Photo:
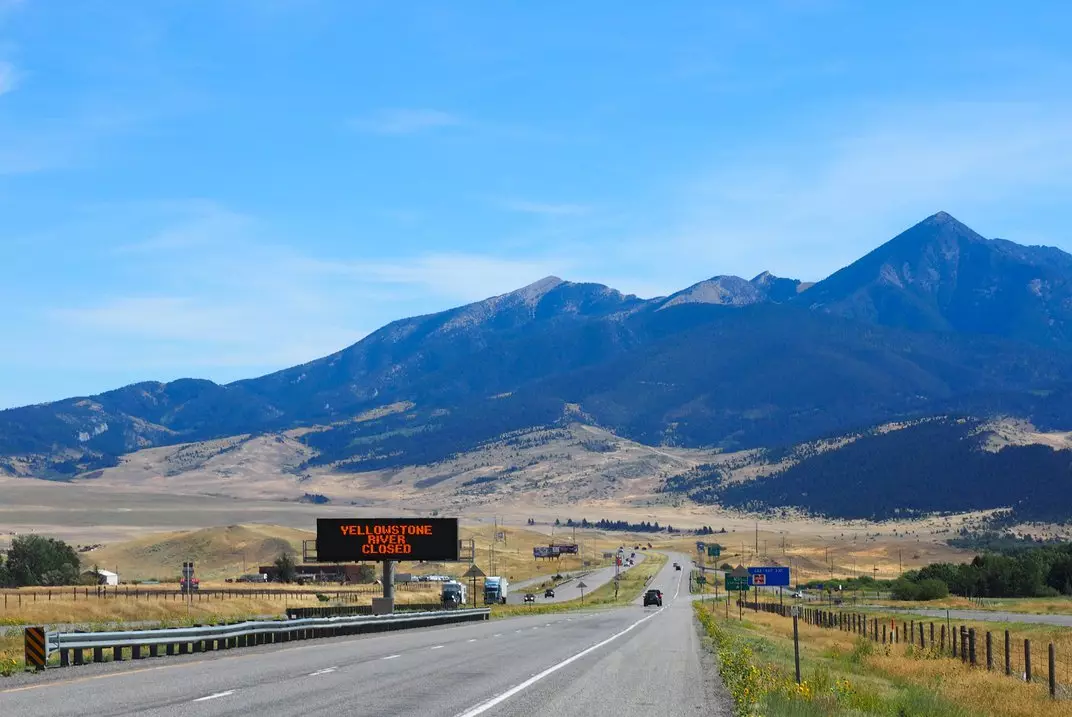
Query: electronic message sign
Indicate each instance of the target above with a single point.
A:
(347, 540)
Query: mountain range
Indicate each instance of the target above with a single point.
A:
(937, 321)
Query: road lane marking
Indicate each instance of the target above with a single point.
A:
(473, 640)
(485, 706)
(498, 634)
(324, 671)
(390, 657)
(437, 647)
(215, 696)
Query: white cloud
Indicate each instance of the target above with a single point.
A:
(834, 189)
(405, 121)
(204, 289)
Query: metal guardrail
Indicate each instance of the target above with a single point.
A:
(209, 638)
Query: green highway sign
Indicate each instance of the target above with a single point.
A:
(714, 551)
(701, 579)
(736, 583)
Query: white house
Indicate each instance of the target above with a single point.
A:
(104, 577)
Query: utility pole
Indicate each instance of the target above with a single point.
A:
(757, 537)
(900, 570)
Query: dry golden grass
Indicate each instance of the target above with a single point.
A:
(816, 552)
(1035, 606)
(230, 551)
(982, 692)
(203, 607)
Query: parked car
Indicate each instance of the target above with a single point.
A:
(529, 597)
(653, 597)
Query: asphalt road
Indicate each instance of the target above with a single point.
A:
(625, 662)
(569, 590)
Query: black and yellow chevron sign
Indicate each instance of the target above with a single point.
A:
(35, 647)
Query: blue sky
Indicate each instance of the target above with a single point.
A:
(221, 188)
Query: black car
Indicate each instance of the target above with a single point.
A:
(529, 597)
(548, 593)
(653, 597)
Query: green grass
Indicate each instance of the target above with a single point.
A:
(758, 669)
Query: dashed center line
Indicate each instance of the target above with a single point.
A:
(214, 696)
(437, 647)
(391, 657)
(324, 671)
(498, 634)
(473, 640)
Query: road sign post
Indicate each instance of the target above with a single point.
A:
(581, 586)
(796, 641)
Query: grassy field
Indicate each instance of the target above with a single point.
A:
(821, 554)
(1032, 606)
(230, 551)
(631, 585)
(34, 606)
(845, 674)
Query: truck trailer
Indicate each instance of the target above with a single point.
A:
(495, 590)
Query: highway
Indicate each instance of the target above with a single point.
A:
(568, 590)
(624, 662)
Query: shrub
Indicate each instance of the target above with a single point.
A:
(931, 589)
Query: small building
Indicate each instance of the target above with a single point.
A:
(103, 577)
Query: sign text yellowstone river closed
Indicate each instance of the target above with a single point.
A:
(342, 540)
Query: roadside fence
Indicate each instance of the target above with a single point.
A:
(995, 651)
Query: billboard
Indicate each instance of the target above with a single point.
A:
(347, 540)
(768, 577)
(564, 549)
(544, 551)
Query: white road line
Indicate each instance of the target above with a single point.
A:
(498, 634)
(437, 647)
(391, 657)
(485, 706)
(324, 671)
(473, 640)
(214, 696)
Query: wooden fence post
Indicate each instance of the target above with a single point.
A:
(941, 647)
(971, 647)
(989, 652)
(1053, 672)
(1008, 656)
(1027, 660)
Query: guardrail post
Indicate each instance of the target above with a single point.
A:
(65, 658)
(135, 651)
(98, 654)
(79, 656)
(117, 653)
(154, 650)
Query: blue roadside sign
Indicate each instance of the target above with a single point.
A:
(768, 577)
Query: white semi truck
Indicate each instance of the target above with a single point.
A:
(495, 590)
